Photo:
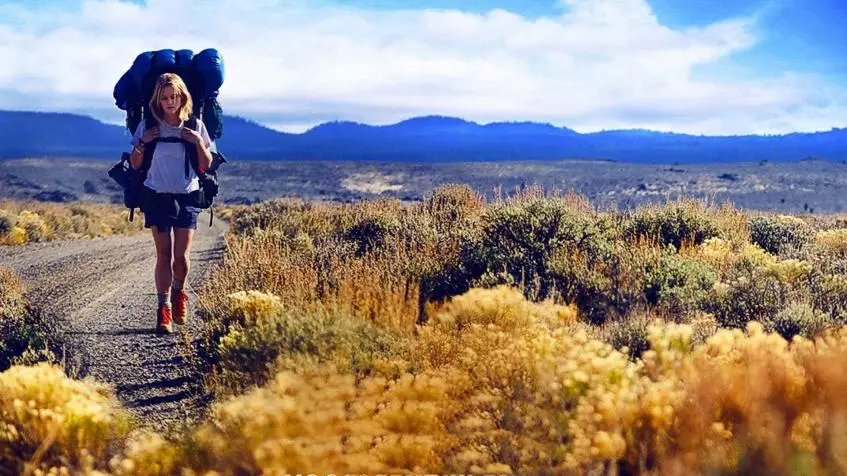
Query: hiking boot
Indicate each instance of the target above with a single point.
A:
(179, 301)
(163, 320)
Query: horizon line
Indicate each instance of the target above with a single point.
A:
(444, 117)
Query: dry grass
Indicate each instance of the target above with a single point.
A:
(29, 222)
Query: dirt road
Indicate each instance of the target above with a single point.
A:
(103, 294)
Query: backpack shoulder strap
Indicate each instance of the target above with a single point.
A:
(191, 159)
(150, 147)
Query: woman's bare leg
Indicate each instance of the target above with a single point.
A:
(183, 238)
(164, 258)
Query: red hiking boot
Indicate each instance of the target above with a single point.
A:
(179, 301)
(163, 320)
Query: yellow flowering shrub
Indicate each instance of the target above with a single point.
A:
(254, 307)
(49, 420)
(323, 422)
(788, 271)
(17, 236)
(34, 226)
(834, 241)
(504, 307)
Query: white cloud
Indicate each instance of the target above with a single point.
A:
(601, 64)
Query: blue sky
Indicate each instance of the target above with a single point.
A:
(698, 66)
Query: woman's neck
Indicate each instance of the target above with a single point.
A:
(172, 120)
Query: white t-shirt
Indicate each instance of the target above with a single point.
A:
(167, 168)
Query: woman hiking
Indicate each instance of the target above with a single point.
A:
(168, 203)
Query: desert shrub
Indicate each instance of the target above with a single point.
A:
(8, 221)
(371, 233)
(523, 239)
(829, 295)
(25, 336)
(41, 221)
(604, 279)
(504, 307)
(494, 379)
(745, 297)
(798, 319)
(451, 252)
(463, 261)
(679, 285)
(262, 336)
(629, 335)
(780, 234)
(48, 420)
(450, 205)
(833, 241)
(35, 227)
(673, 224)
(288, 217)
(80, 211)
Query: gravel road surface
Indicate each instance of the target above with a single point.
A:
(103, 294)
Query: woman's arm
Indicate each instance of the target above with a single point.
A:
(137, 156)
(204, 153)
(204, 157)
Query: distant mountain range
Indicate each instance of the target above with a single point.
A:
(422, 139)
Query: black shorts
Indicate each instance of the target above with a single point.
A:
(169, 210)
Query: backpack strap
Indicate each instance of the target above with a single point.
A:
(150, 147)
(191, 160)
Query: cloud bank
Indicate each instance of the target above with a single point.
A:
(601, 64)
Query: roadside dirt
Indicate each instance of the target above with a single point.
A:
(103, 295)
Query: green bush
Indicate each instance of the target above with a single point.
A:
(604, 280)
(798, 319)
(250, 349)
(777, 236)
(829, 294)
(371, 233)
(630, 333)
(460, 264)
(679, 285)
(749, 297)
(523, 239)
(673, 224)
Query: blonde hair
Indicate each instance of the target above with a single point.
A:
(174, 81)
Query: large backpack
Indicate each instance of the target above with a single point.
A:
(203, 74)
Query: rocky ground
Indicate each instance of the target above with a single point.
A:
(808, 186)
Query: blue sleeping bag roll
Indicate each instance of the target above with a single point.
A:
(183, 59)
(209, 65)
(185, 69)
(126, 93)
(164, 61)
(141, 68)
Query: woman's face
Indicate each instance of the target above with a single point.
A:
(170, 101)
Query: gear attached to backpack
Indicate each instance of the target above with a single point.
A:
(203, 74)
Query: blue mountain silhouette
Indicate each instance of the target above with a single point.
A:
(421, 139)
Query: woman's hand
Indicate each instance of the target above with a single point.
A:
(150, 134)
(192, 136)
